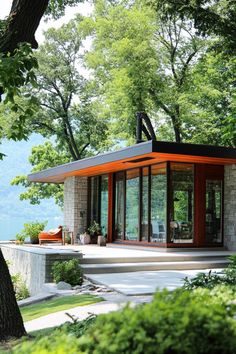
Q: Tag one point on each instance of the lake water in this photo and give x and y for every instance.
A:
(10, 226)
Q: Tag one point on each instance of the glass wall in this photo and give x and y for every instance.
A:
(158, 203)
(213, 211)
(94, 200)
(132, 205)
(145, 204)
(104, 204)
(119, 206)
(98, 202)
(181, 202)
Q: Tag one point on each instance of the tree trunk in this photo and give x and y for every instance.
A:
(24, 19)
(11, 323)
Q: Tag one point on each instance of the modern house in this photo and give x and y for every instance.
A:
(153, 193)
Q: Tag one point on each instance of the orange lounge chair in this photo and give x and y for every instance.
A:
(51, 235)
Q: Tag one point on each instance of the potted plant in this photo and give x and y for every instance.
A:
(85, 238)
(94, 231)
(32, 230)
(20, 239)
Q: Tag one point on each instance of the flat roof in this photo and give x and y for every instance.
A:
(142, 154)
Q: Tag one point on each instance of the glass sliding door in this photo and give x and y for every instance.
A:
(132, 205)
(145, 204)
(119, 206)
(213, 211)
(181, 202)
(94, 200)
(158, 203)
(104, 204)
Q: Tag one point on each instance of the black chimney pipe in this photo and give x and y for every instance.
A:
(139, 124)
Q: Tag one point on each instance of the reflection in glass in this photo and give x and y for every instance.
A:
(145, 203)
(132, 205)
(94, 199)
(158, 203)
(104, 204)
(119, 205)
(182, 202)
(213, 211)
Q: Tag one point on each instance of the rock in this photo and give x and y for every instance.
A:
(62, 285)
(77, 287)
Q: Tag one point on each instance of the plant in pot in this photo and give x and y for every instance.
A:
(32, 230)
(20, 239)
(85, 238)
(94, 230)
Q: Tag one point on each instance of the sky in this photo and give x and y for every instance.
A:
(84, 8)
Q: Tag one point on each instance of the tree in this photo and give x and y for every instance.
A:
(64, 110)
(144, 64)
(216, 17)
(20, 26)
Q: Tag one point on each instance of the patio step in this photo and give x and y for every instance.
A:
(156, 258)
(121, 267)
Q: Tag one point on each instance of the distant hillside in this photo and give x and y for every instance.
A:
(13, 212)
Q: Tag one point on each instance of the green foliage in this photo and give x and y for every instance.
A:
(17, 70)
(32, 230)
(206, 280)
(42, 157)
(211, 279)
(210, 17)
(58, 343)
(178, 322)
(94, 228)
(21, 290)
(68, 271)
(78, 328)
(20, 238)
(56, 8)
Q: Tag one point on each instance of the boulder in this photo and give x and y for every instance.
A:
(62, 285)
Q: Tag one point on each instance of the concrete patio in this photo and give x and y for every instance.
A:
(131, 270)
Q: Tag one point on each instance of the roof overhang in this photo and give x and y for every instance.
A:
(138, 155)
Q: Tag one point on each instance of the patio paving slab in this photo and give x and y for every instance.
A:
(144, 283)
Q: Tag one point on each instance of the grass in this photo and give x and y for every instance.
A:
(44, 308)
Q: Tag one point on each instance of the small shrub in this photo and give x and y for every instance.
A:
(58, 343)
(211, 279)
(205, 280)
(68, 271)
(32, 230)
(178, 322)
(20, 288)
(78, 328)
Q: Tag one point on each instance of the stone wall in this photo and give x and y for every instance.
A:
(34, 264)
(230, 207)
(75, 203)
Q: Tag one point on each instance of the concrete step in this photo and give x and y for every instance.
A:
(156, 258)
(152, 266)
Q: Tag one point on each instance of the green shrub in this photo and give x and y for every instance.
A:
(211, 279)
(205, 280)
(179, 322)
(20, 288)
(68, 271)
(78, 328)
(32, 230)
(58, 343)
